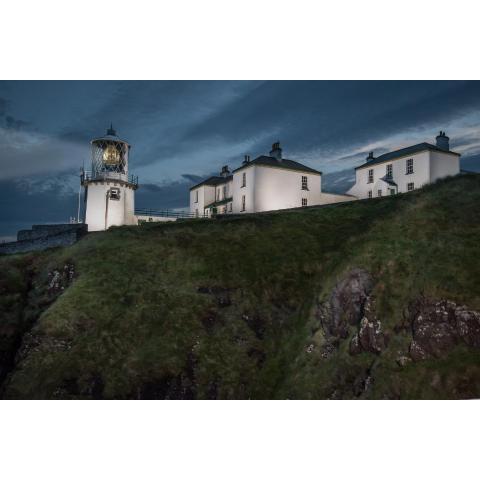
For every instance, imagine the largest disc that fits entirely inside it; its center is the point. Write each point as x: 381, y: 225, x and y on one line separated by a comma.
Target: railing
x: 148, y: 212
x: 88, y: 175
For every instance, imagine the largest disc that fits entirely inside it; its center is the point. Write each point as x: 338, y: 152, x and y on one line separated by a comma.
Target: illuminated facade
x: 406, y: 169
x: 109, y: 190
x: 263, y: 184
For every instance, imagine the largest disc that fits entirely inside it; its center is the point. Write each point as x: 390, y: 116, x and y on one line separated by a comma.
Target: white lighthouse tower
x: 109, y: 190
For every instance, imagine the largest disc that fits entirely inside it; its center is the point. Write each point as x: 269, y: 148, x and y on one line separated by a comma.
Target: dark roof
x: 216, y: 203
x: 404, y: 152
x: 213, y: 181
x: 389, y: 181
x: 284, y: 163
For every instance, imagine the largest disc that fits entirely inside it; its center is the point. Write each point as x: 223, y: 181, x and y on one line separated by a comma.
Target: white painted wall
x: 153, y: 218
x: 119, y: 212
x: 248, y: 190
x: 419, y: 177
x: 206, y: 195
x: 443, y: 164
x: 278, y: 188
x: 329, y: 198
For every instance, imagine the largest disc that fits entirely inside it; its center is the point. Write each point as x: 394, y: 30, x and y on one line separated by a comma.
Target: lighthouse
x: 109, y: 189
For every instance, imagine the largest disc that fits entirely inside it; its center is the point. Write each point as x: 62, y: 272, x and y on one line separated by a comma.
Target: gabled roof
x: 420, y: 147
x: 389, y: 181
x: 213, y: 181
x: 284, y: 163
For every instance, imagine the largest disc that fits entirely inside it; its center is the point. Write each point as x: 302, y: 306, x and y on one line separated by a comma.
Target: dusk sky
x: 182, y: 131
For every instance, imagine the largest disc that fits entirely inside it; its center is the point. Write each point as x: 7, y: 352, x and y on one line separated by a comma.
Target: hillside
x: 372, y: 299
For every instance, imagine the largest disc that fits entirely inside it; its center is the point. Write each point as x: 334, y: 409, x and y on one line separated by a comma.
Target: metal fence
x: 148, y: 212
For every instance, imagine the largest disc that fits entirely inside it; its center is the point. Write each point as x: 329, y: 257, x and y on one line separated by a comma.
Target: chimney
x: 276, y: 151
x: 443, y: 141
x: 225, y: 171
x: 246, y: 159
x: 370, y: 157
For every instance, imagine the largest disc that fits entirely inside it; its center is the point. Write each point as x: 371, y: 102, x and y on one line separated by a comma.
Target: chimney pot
x: 276, y: 151
x: 443, y: 141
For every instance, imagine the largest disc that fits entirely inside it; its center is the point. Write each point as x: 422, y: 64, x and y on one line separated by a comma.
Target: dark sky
x: 183, y: 130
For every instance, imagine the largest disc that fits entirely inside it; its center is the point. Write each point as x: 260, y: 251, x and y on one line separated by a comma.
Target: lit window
x: 304, y: 183
x: 409, y: 166
x: 410, y: 187
x: 370, y: 194
x: 304, y: 202
x: 244, y: 179
x: 389, y: 170
x: 380, y: 193
x: 114, y: 194
x: 370, y: 176
x: 243, y: 203
x: 196, y: 196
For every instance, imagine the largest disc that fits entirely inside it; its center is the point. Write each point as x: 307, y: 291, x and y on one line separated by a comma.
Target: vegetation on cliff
x: 337, y: 302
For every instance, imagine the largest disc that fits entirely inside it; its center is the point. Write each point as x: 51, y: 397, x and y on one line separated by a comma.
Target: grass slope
x: 226, y: 309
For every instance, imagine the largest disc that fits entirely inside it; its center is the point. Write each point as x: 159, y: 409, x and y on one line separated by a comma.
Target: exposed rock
x: 437, y: 326
x: 60, y: 279
x: 346, y: 303
x: 370, y: 336
x: 403, y: 360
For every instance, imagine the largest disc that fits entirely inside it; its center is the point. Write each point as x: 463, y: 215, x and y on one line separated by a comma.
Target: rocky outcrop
x: 438, y: 326
x: 370, y: 336
x: 346, y: 303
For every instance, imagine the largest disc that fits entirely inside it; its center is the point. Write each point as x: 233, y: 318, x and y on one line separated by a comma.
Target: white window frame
x: 379, y: 192
x: 196, y: 196
x: 244, y: 179
x: 409, y: 167
x: 304, y: 202
x: 412, y: 185
x: 389, y: 170
x: 370, y: 176
x: 243, y: 204
x: 370, y: 194
x: 304, y: 182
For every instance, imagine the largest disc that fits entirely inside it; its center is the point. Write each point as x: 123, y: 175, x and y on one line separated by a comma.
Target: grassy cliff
x: 242, y: 307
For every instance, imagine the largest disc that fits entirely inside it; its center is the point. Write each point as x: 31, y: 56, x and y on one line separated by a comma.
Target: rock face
x: 346, y: 304
x: 437, y: 326
x: 370, y: 336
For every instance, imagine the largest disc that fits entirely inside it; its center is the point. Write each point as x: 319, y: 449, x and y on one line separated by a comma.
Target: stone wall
x: 41, y: 237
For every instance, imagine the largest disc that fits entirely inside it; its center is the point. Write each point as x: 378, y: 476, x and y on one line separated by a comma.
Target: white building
x: 109, y: 190
x: 405, y: 169
x: 263, y: 184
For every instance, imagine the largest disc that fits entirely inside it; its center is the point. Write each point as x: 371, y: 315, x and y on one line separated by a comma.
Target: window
x: 196, y: 196
x: 224, y: 192
x: 409, y: 166
x: 218, y: 195
x: 410, y: 186
x: 230, y: 207
x: 244, y: 179
x: 196, y: 212
x: 389, y: 170
x: 224, y: 209
x: 370, y: 176
x: 304, y: 183
x: 243, y: 203
x: 392, y: 191
x: 304, y: 202
x: 380, y: 193
x: 370, y: 194
x: 114, y: 194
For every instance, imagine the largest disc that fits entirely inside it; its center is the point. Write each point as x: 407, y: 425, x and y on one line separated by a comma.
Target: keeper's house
x: 406, y: 169
x: 263, y: 184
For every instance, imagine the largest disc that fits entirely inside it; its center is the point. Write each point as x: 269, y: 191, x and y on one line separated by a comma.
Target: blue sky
x: 184, y: 130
